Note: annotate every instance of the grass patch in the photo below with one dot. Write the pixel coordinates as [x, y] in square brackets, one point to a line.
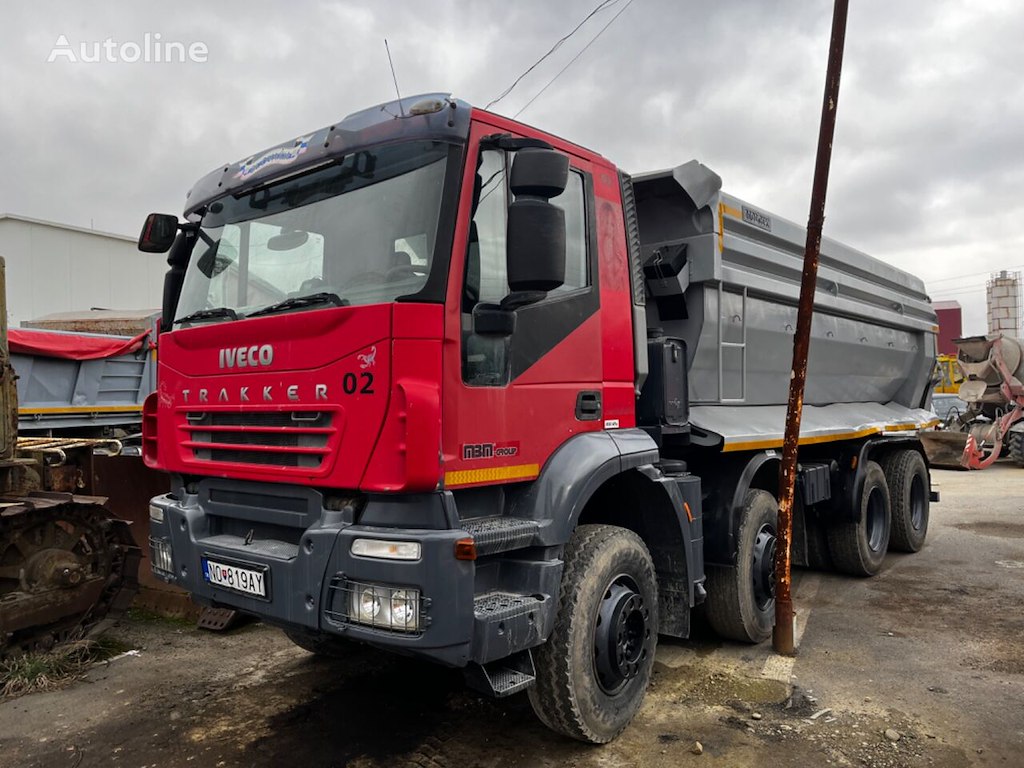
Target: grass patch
[54, 669]
[146, 616]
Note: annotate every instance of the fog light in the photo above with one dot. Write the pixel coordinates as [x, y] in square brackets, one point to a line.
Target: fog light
[160, 556]
[404, 608]
[369, 605]
[156, 514]
[390, 608]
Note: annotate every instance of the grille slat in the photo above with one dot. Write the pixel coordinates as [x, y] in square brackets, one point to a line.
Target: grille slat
[245, 445]
[265, 430]
[280, 438]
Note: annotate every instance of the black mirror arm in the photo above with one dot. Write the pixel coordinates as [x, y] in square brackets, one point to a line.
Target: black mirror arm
[500, 319]
[493, 320]
[519, 299]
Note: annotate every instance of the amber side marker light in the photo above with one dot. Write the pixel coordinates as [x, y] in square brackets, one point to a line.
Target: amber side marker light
[465, 549]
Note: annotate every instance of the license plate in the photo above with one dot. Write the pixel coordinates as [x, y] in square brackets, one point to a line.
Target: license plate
[244, 580]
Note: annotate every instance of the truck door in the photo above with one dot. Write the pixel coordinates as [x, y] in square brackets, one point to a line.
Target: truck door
[510, 401]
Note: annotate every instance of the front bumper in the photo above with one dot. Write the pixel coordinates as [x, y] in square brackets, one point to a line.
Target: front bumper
[304, 550]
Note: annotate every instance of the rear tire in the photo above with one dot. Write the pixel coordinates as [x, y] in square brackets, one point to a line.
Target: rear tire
[907, 476]
[741, 600]
[859, 548]
[818, 557]
[593, 671]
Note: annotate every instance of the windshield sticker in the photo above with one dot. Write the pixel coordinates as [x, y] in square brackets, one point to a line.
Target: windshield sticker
[277, 156]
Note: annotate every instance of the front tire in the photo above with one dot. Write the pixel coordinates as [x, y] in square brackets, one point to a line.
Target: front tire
[593, 672]
[741, 600]
[907, 477]
[859, 548]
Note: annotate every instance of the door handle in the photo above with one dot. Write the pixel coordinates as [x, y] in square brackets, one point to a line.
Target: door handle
[588, 405]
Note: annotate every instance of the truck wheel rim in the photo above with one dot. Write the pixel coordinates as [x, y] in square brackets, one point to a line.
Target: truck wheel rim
[874, 519]
[917, 503]
[622, 634]
[764, 566]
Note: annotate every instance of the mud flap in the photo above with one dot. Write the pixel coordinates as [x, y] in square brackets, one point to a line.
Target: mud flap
[218, 619]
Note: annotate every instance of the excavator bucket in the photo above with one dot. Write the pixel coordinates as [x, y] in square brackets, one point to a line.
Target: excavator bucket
[944, 449]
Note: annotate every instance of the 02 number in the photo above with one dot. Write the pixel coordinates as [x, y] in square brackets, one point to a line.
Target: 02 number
[363, 383]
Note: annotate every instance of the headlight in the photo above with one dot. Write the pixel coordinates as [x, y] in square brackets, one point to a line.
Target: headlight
[160, 556]
[386, 550]
[392, 608]
[156, 514]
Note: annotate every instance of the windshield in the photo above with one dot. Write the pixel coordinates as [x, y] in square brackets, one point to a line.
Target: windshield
[360, 231]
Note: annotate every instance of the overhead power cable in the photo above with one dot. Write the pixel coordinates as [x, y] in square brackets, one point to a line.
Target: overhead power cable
[600, 7]
[976, 274]
[573, 59]
[955, 291]
[970, 286]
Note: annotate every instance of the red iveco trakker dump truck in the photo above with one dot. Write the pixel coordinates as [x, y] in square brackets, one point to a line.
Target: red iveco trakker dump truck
[438, 382]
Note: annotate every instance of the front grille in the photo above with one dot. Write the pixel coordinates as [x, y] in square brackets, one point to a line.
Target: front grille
[267, 438]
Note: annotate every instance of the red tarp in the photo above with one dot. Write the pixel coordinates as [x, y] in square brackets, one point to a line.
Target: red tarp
[71, 346]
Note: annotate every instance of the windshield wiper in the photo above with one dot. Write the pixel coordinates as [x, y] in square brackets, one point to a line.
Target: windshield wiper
[208, 314]
[324, 297]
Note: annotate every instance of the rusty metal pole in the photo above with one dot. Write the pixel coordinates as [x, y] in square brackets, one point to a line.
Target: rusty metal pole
[782, 636]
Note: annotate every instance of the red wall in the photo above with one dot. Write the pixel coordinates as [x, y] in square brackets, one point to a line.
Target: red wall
[950, 327]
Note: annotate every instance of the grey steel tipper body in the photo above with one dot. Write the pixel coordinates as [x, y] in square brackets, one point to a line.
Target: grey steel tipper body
[733, 304]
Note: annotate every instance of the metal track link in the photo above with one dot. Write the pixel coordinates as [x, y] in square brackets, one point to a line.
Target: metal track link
[68, 570]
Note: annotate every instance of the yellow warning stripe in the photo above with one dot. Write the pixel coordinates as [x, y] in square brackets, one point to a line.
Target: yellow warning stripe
[724, 209]
[491, 474]
[757, 445]
[84, 409]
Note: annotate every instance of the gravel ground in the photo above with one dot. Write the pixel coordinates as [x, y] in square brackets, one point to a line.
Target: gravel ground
[921, 666]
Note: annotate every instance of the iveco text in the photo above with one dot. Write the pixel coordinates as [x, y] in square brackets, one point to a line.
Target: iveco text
[246, 357]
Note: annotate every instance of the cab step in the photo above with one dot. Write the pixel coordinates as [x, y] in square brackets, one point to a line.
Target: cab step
[500, 533]
[505, 623]
[503, 677]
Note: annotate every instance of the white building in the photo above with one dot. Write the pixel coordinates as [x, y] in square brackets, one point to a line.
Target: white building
[59, 268]
[1004, 303]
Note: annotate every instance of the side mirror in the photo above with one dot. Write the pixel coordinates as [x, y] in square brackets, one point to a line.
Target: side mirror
[536, 228]
[539, 173]
[493, 320]
[158, 233]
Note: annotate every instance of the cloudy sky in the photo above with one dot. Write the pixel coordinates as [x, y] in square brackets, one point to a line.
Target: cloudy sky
[928, 167]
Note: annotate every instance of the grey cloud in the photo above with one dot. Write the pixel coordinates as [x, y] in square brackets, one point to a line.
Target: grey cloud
[927, 169]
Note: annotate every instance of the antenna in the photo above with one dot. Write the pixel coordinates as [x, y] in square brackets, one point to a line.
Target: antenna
[394, 77]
